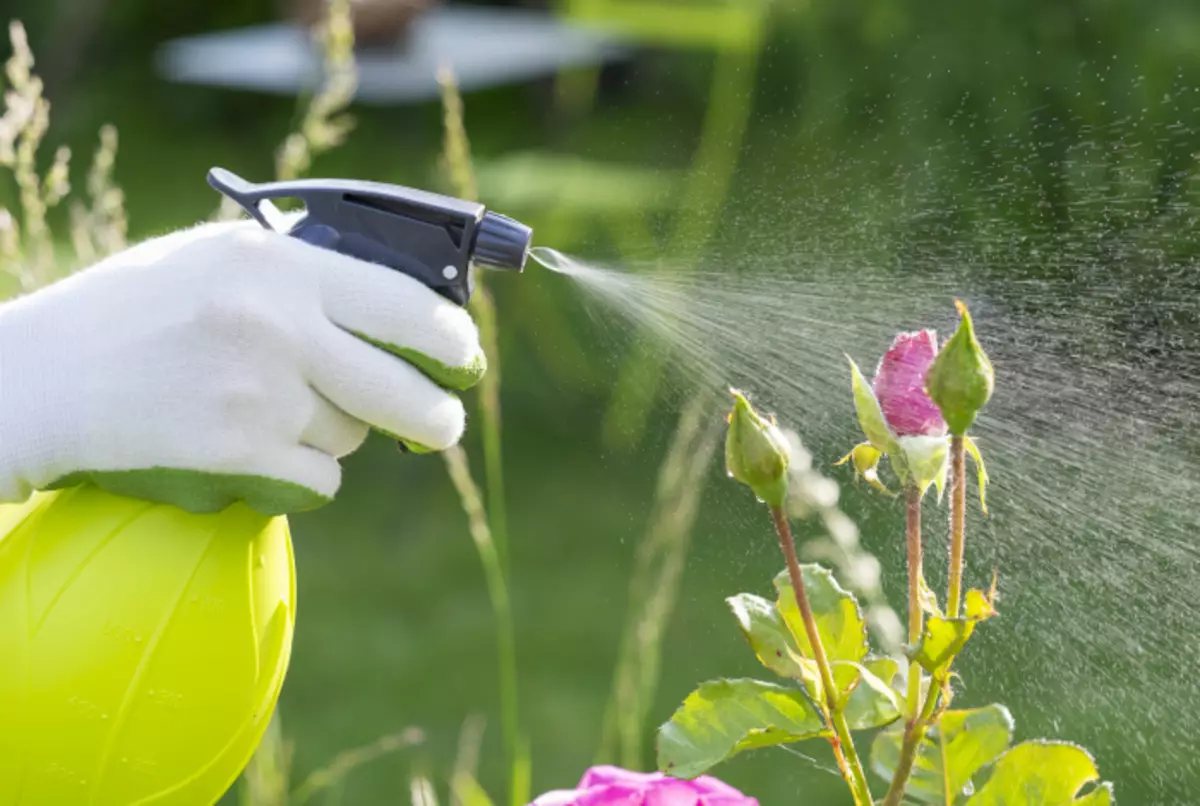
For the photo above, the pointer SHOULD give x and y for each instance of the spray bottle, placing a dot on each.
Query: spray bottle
(144, 647)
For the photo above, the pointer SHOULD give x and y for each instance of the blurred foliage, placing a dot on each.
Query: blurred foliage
(995, 118)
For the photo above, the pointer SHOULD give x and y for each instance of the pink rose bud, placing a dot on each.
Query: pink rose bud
(900, 386)
(613, 786)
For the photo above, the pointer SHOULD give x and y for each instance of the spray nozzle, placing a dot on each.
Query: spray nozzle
(436, 239)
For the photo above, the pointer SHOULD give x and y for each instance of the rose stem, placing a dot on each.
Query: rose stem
(912, 512)
(843, 740)
(958, 523)
(915, 731)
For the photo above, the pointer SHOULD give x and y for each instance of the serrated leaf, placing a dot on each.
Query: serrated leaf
(870, 415)
(839, 621)
(725, 717)
(977, 458)
(1043, 773)
(767, 634)
(957, 747)
(870, 701)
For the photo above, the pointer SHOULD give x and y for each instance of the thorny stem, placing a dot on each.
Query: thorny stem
(916, 729)
(958, 523)
(914, 734)
(912, 511)
(843, 743)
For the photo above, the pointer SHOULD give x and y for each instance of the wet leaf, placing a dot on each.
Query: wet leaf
(957, 747)
(1043, 773)
(977, 458)
(869, 700)
(725, 717)
(767, 634)
(865, 458)
(925, 460)
(839, 621)
(870, 415)
(978, 606)
(944, 638)
(929, 601)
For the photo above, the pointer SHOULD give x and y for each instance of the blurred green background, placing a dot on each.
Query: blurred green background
(748, 116)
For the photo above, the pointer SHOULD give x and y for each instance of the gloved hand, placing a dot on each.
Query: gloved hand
(221, 363)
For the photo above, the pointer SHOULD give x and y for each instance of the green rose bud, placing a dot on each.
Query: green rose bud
(756, 452)
(961, 379)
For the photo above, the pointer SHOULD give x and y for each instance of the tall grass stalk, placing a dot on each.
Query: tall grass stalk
(344, 763)
(655, 582)
(324, 124)
(27, 245)
(497, 584)
(267, 778)
(489, 526)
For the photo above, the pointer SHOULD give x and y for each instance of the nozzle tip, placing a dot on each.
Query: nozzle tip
(502, 243)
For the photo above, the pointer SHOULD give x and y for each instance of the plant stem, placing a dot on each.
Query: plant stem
(497, 585)
(912, 512)
(914, 734)
(918, 726)
(458, 164)
(958, 523)
(843, 742)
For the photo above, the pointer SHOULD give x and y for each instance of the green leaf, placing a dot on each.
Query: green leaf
(1043, 773)
(921, 460)
(870, 701)
(928, 599)
(764, 628)
(977, 458)
(865, 458)
(724, 717)
(944, 638)
(870, 415)
(957, 747)
(941, 642)
(839, 621)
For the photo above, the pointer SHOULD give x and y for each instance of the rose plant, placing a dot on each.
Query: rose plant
(812, 633)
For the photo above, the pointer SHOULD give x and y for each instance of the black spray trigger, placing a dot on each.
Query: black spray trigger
(438, 240)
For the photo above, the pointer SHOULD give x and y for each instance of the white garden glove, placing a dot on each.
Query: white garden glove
(222, 363)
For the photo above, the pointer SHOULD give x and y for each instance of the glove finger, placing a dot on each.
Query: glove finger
(311, 479)
(401, 315)
(333, 431)
(389, 394)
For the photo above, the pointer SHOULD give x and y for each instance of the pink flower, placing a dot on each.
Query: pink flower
(613, 786)
(900, 386)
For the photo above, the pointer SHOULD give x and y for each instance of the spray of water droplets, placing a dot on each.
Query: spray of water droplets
(1091, 438)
